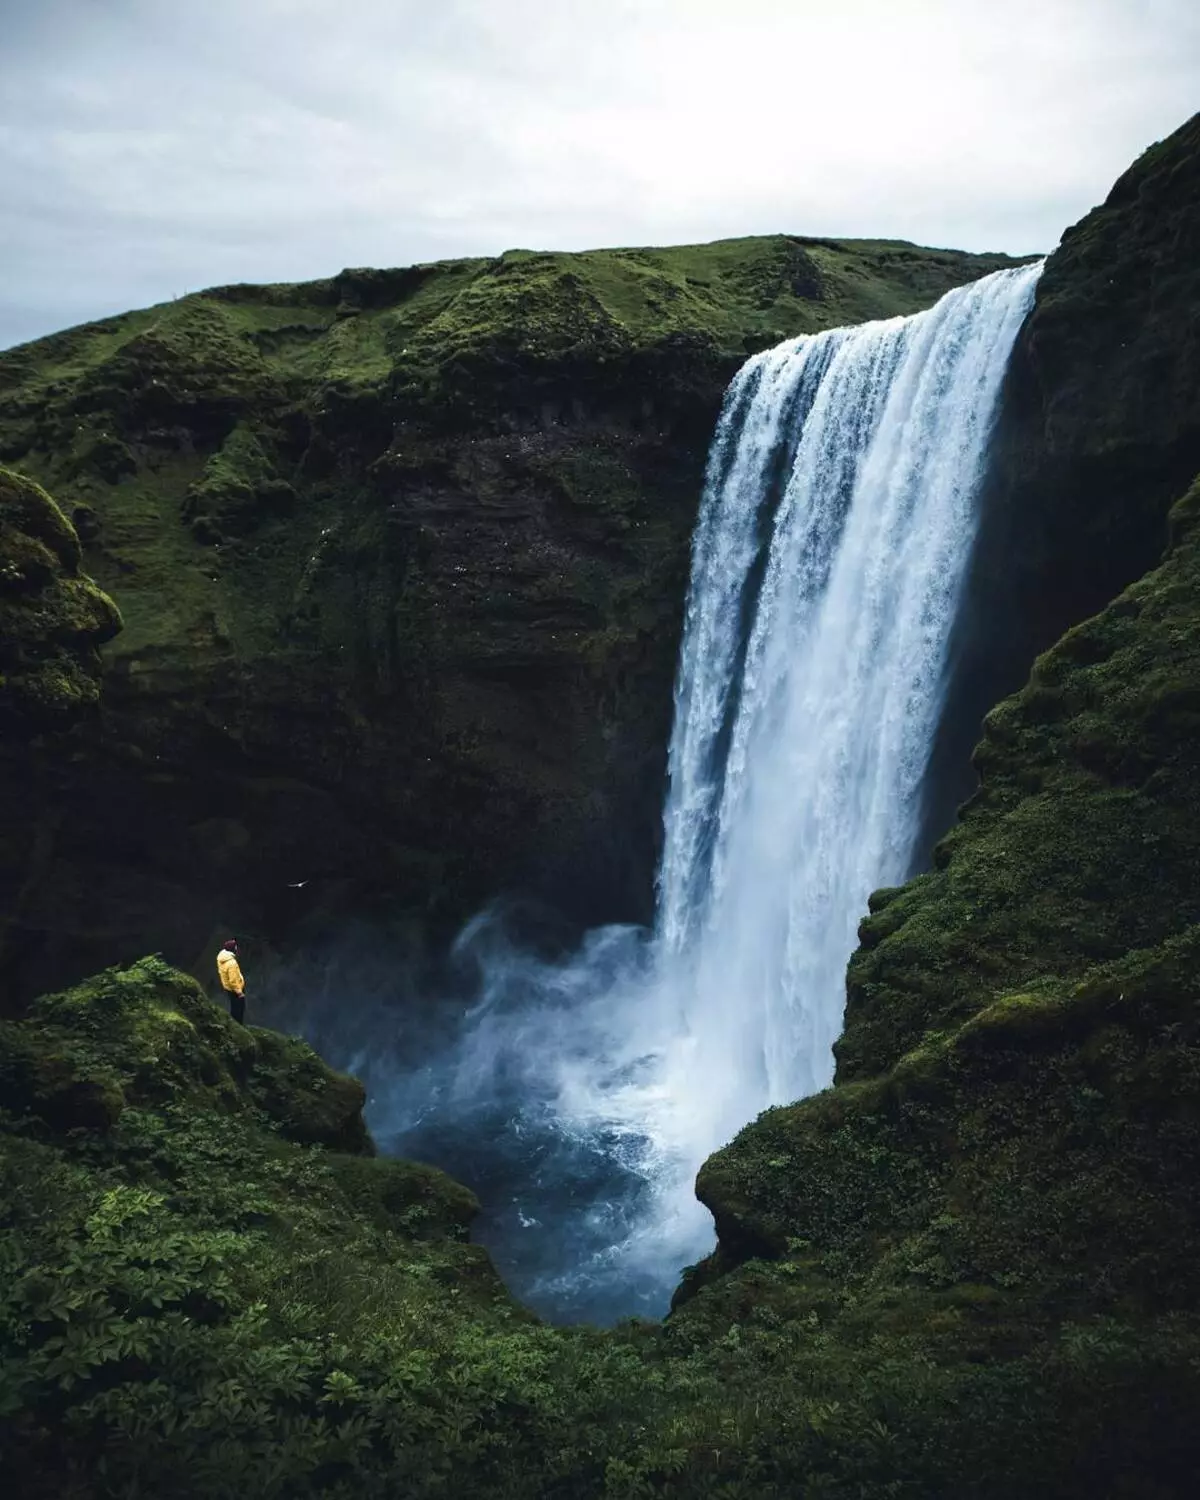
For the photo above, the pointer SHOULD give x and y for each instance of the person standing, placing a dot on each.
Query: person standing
(229, 971)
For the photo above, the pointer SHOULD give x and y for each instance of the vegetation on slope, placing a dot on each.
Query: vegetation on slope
(210, 1290)
(423, 329)
(53, 618)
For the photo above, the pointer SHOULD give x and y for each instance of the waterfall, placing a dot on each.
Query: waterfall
(829, 554)
(836, 523)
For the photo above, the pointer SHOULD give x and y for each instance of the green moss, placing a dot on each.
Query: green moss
(151, 1035)
(202, 357)
(238, 488)
(52, 617)
(191, 363)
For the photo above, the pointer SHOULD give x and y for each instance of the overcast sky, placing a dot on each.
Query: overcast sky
(153, 147)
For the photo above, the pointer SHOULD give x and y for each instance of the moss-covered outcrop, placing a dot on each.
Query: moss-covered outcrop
(198, 1254)
(53, 618)
(147, 1037)
(402, 558)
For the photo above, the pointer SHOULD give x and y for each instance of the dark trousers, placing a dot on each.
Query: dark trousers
(237, 1007)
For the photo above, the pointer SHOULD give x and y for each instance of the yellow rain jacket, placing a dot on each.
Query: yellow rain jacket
(230, 973)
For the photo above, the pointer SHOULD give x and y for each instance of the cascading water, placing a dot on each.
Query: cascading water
(812, 671)
(829, 554)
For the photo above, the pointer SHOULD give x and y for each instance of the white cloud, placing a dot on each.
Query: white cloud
(148, 148)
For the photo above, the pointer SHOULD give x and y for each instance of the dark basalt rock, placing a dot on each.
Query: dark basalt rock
(1098, 435)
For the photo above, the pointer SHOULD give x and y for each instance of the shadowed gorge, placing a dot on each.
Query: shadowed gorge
(401, 563)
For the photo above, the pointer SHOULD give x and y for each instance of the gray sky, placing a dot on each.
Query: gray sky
(153, 147)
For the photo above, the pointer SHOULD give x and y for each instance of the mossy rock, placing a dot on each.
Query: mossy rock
(415, 1200)
(238, 490)
(147, 1034)
(307, 1100)
(52, 617)
(175, 1236)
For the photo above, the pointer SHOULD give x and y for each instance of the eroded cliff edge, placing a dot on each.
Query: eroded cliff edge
(1098, 435)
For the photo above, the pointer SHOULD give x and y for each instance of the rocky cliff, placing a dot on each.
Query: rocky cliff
(401, 557)
(1098, 435)
(53, 621)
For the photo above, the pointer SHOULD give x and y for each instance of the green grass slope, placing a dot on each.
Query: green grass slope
(424, 324)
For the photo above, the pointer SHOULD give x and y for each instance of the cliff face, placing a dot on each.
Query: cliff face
(53, 620)
(1101, 433)
(402, 558)
(1098, 435)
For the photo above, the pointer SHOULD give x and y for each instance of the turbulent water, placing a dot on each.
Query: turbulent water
(829, 555)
